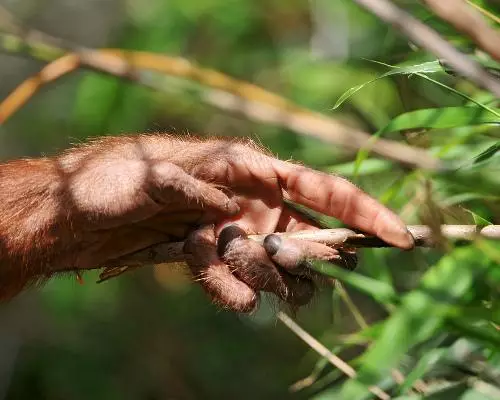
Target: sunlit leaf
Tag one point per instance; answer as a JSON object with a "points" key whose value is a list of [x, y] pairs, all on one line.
{"points": [[379, 290], [425, 363], [421, 314], [488, 153], [441, 118], [427, 67]]}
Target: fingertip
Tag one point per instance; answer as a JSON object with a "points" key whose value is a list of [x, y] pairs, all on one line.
{"points": [[409, 241], [400, 237], [272, 244], [227, 235]]}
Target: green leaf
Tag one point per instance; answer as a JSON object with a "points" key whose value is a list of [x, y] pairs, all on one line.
{"points": [[442, 118], [378, 290], [488, 153], [475, 331], [434, 118], [428, 360], [421, 314], [478, 220], [427, 67]]}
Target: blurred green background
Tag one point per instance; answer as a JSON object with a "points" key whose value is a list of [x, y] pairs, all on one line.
{"points": [[153, 335]]}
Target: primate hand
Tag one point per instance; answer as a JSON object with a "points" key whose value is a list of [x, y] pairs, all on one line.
{"points": [[113, 196]]}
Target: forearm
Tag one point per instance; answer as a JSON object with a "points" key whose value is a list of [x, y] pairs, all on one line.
{"points": [[50, 208], [32, 221]]}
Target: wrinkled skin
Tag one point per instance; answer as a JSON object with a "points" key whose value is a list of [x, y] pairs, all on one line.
{"points": [[114, 196]]}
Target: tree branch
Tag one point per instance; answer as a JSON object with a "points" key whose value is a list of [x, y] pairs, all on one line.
{"points": [[172, 252], [430, 40], [469, 21]]}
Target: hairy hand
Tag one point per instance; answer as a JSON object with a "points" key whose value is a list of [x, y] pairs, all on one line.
{"points": [[114, 196], [235, 269]]}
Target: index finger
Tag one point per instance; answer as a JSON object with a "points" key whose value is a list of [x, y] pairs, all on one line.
{"points": [[339, 198]]}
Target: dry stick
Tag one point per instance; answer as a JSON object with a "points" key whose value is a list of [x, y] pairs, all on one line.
{"points": [[324, 352], [469, 21], [429, 39], [172, 252], [229, 94]]}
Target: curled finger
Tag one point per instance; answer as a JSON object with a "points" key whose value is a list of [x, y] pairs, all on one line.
{"points": [[295, 255], [214, 275], [248, 261]]}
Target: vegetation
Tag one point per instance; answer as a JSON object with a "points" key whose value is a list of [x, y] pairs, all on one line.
{"points": [[419, 324]]}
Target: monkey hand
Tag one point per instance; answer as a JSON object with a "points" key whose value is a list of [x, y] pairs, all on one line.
{"points": [[233, 270], [114, 196]]}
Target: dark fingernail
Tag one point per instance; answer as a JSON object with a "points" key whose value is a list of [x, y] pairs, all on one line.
{"points": [[272, 244], [227, 235]]}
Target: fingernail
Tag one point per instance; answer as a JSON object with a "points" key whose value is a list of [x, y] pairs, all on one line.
{"points": [[407, 241], [410, 240], [272, 244], [402, 238], [227, 235]]}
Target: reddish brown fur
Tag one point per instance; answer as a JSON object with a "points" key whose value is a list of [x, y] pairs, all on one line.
{"points": [[49, 206], [113, 196]]}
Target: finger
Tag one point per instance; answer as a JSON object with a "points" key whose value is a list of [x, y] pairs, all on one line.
{"points": [[215, 276], [296, 219], [249, 262], [337, 197], [170, 184], [294, 255]]}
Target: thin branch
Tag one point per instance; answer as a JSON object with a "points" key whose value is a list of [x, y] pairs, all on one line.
{"points": [[483, 11], [430, 40], [223, 92], [172, 252], [469, 21], [324, 352]]}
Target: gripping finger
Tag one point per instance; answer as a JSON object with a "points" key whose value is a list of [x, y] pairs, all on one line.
{"points": [[250, 263], [337, 197], [215, 276], [169, 183], [294, 254]]}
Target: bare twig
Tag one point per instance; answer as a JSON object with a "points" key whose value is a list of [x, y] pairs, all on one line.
{"points": [[172, 252], [430, 40], [469, 21], [223, 92], [324, 352]]}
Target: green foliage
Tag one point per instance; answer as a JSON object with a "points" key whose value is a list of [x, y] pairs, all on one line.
{"points": [[431, 315]]}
